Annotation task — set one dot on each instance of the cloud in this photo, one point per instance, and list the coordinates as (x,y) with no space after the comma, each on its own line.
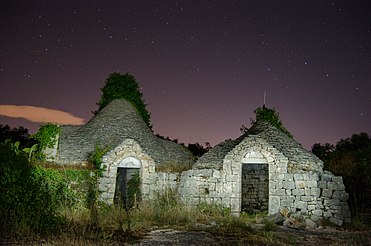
(40,114)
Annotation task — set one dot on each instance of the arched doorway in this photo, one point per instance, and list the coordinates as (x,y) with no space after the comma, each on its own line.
(254,182)
(127,191)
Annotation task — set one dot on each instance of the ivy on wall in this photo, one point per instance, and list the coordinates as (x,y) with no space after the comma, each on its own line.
(47,136)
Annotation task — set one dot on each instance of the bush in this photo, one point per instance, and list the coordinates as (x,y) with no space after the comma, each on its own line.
(27,202)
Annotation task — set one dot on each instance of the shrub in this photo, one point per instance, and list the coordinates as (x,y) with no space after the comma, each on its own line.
(27,203)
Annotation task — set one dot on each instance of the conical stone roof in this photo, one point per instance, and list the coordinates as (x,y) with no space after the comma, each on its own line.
(117,121)
(298,157)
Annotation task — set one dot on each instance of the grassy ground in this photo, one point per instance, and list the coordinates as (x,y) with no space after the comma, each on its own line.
(112,225)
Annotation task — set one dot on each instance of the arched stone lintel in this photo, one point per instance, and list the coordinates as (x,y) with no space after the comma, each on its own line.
(130,162)
(254,157)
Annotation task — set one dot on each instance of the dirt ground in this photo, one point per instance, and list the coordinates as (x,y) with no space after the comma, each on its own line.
(282,236)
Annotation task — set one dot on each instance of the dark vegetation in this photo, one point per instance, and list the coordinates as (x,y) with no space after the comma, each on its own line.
(351,159)
(126,87)
(17,134)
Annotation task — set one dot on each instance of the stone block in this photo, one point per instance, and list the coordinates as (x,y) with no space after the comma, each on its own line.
(216,173)
(327,193)
(311,183)
(277,192)
(300,184)
(327,214)
(333,186)
(336,194)
(311,207)
(326,176)
(298,192)
(289,177)
(300,205)
(288,185)
(306,198)
(318,212)
(331,202)
(336,221)
(315,192)
(310,224)
(298,177)
(286,202)
(230,178)
(314,177)
(288,192)
(274,204)
(337,179)
(322,184)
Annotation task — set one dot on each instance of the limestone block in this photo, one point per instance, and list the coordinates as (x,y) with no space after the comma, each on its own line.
(331,202)
(311,207)
(288,185)
(314,176)
(327,193)
(322,184)
(235,205)
(274,204)
(311,183)
(336,194)
(310,224)
(306,198)
(326,176)
(230,178)
(288,177)
(333,185)
(300,205)
(318,212)
(277,192)
(336,221)
(286,202)
(273,184)
(315,192)
(337,179)
(298,192)
(236,170)
(307,191)
(216,173)
(300,184)
(236,187)
(289,192)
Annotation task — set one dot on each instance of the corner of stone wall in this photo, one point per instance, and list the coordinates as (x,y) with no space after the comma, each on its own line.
(333,199)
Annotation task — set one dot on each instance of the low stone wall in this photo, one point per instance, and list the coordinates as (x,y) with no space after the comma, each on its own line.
(166,182)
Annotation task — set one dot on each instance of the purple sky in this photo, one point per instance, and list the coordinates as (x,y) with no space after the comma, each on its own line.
(203,65)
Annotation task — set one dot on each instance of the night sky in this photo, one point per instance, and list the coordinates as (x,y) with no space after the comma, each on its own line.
(203,66)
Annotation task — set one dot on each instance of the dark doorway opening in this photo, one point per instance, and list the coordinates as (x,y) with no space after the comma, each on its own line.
(127,192)
(255,187)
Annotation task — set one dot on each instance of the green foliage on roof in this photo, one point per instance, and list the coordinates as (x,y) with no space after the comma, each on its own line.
(124,86)
(271,116)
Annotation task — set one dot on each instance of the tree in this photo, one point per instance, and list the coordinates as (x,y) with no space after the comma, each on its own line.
(126,87)
(323,151)
(351,159)
(197,149)
(19,134)
(271,116)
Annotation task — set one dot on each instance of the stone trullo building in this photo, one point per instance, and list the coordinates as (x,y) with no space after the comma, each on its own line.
(264,169)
